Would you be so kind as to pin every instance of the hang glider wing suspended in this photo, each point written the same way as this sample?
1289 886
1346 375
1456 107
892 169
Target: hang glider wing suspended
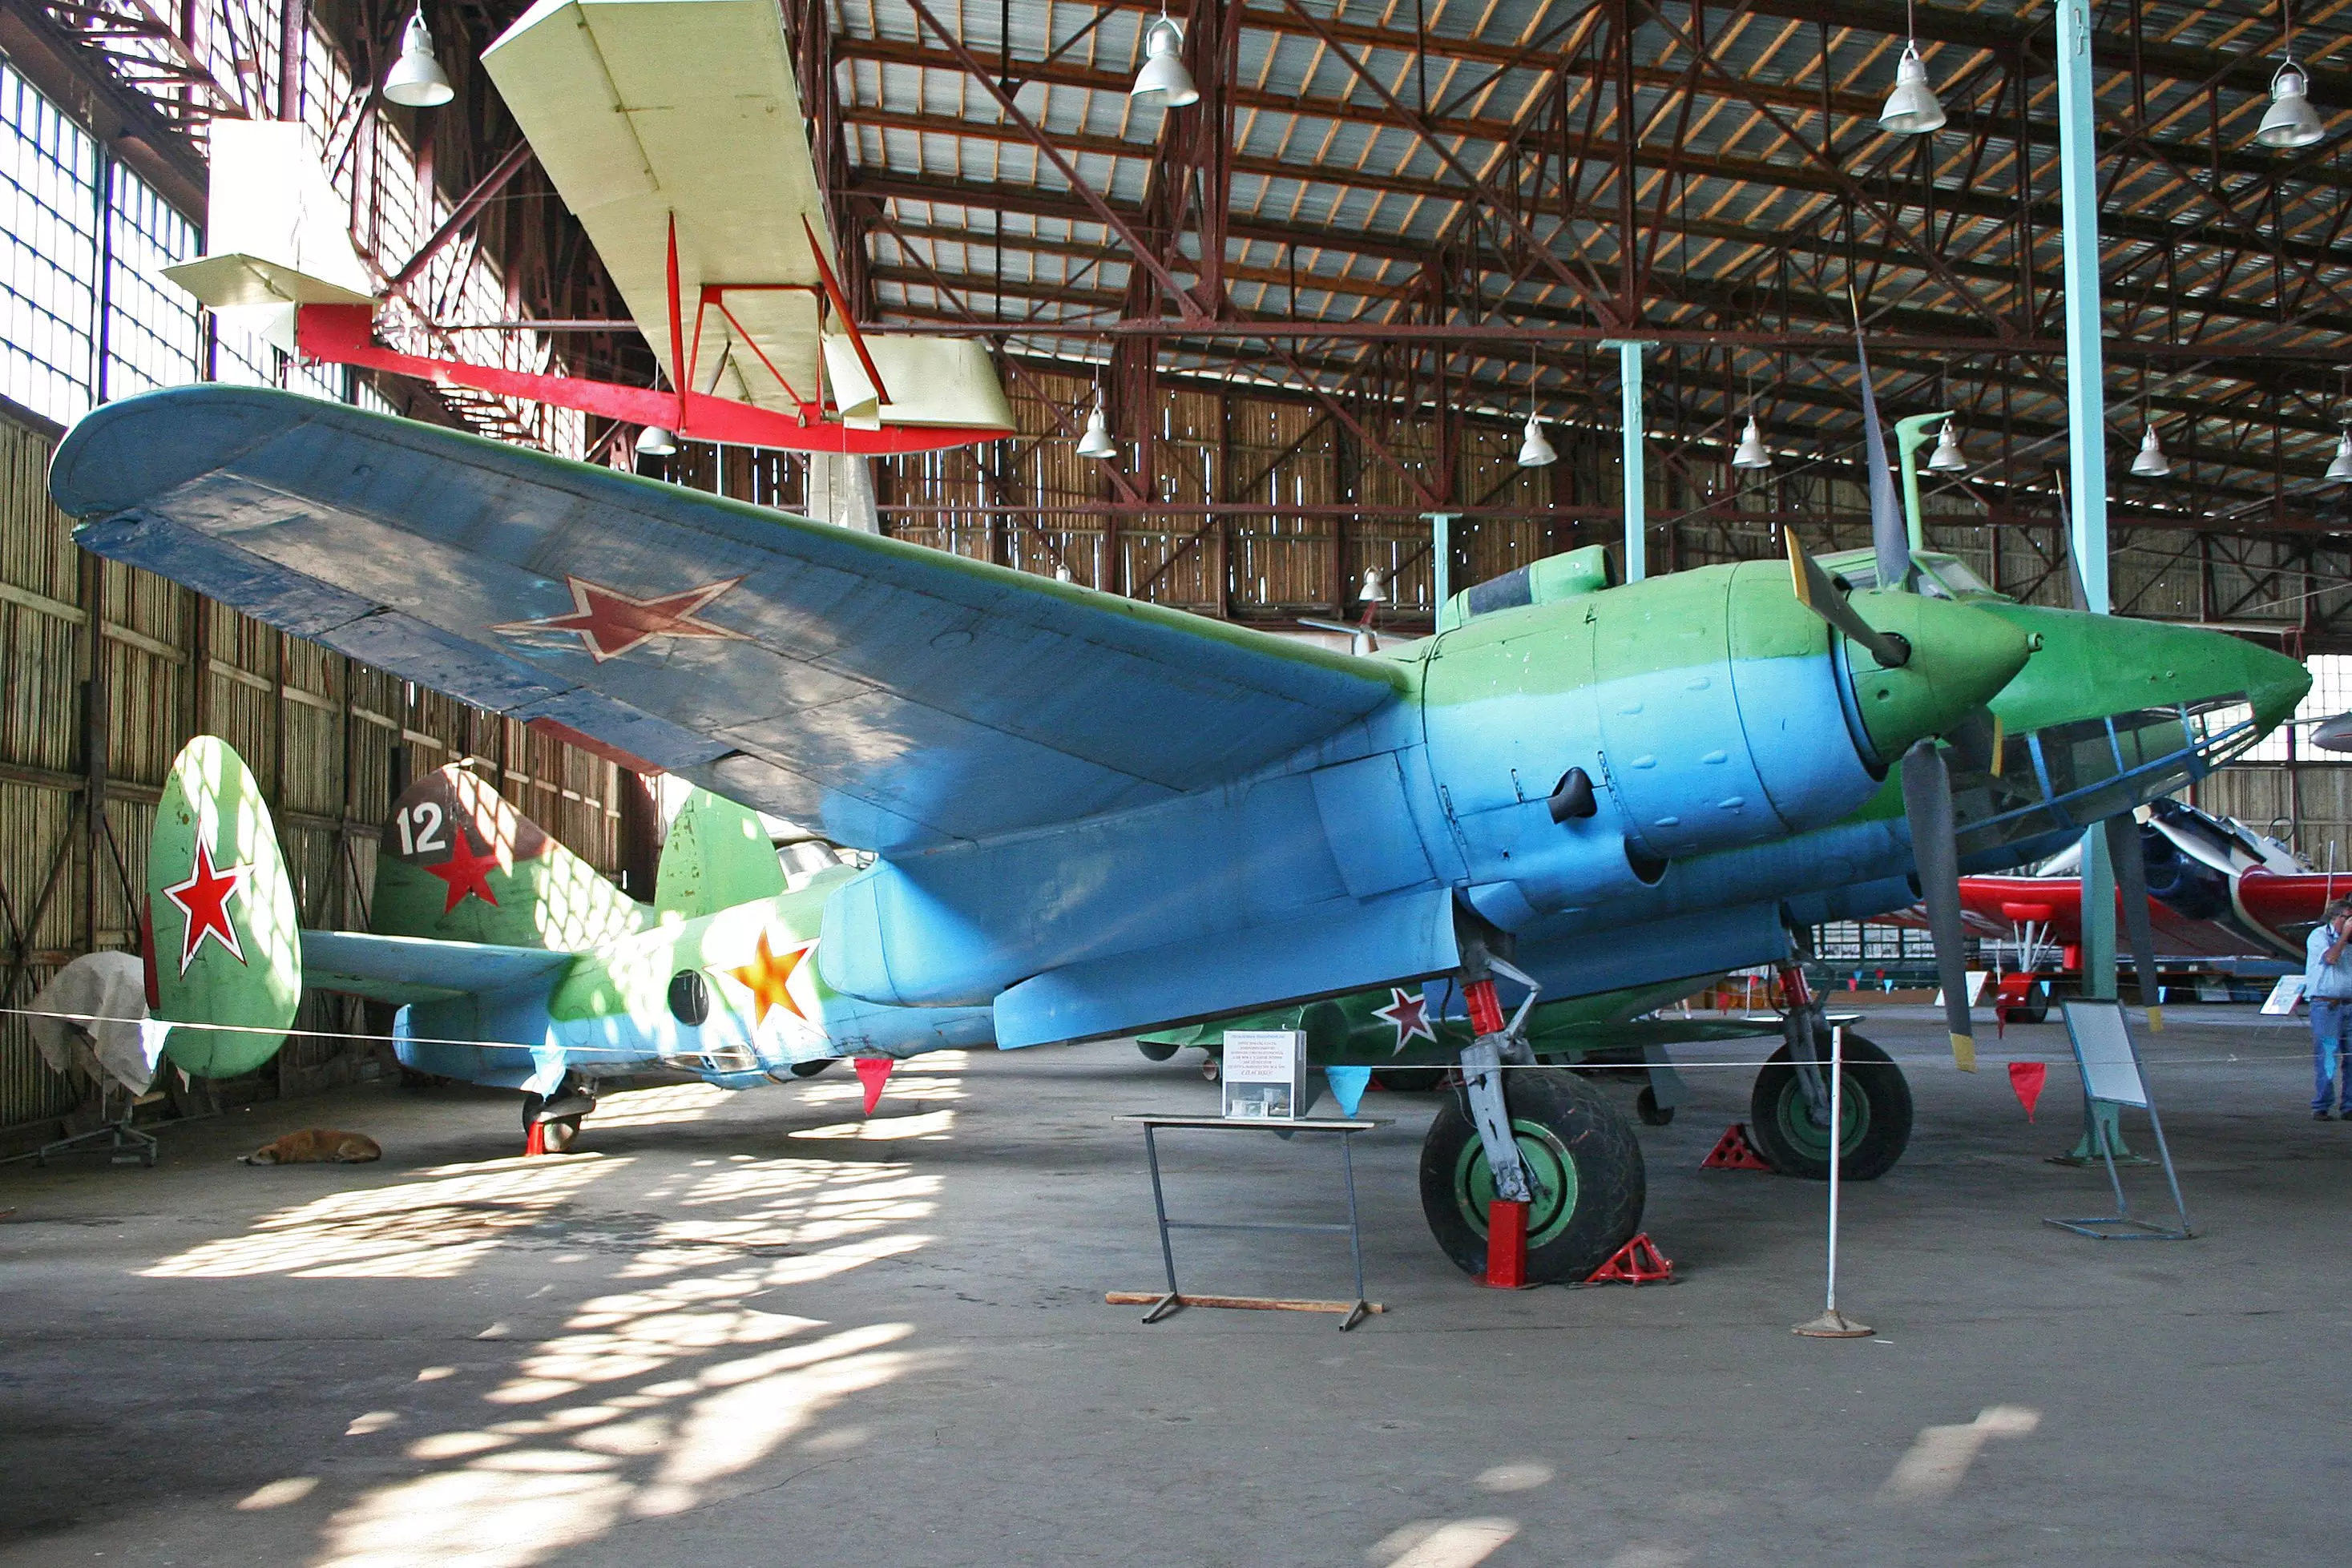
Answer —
673 130
898 698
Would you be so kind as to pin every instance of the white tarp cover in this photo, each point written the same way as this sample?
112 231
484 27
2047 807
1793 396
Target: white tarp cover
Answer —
105 997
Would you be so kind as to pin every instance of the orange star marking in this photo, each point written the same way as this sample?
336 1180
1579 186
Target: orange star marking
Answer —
465 872
610 622
768 976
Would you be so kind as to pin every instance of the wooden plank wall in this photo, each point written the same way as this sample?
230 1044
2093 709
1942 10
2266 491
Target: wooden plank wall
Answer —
328 739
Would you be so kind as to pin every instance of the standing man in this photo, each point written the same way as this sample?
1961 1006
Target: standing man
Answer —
2327 984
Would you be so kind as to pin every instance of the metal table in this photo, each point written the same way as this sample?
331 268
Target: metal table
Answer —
1174 1300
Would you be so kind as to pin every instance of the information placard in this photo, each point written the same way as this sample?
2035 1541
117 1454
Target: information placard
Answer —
1264 1073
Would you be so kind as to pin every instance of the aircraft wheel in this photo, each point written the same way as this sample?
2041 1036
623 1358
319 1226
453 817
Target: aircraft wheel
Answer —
559 1134
1646 1107
1878 1108
1157 1050
1586 1165
1411 1079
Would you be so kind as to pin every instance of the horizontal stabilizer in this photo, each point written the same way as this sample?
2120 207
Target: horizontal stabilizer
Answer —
930 381
278 235
405 970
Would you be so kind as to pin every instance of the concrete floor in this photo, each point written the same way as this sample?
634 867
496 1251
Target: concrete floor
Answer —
754 1330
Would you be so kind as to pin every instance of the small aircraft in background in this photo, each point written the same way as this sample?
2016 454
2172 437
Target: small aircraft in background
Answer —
675 133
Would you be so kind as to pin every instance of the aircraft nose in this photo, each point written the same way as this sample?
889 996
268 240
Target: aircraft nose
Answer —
2094 666
1960 658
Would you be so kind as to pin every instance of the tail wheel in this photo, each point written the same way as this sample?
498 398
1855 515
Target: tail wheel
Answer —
1876 1104
1581 1156
558 1135
1652 1115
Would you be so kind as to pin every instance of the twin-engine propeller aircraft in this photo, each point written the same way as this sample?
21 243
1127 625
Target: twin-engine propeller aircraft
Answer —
1092 816
673 131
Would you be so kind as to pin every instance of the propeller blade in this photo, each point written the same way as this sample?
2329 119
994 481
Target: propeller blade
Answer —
2131 882
1927 807
1818 594
1888 534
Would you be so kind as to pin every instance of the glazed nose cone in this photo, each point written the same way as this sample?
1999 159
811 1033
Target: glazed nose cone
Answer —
1960 658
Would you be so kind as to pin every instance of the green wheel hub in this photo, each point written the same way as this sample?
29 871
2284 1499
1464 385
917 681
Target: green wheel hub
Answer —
1797 1124
1549 1168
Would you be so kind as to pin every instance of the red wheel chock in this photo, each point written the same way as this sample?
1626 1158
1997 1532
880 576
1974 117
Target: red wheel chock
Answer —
1638 1262
1507 1245
1733 1152
534 1141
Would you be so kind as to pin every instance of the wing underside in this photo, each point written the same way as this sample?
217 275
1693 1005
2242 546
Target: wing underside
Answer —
407 969
899 697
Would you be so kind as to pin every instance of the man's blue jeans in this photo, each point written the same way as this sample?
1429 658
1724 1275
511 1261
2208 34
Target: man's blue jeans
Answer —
2329 1051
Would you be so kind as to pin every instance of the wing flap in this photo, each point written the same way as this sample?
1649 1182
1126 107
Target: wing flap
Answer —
896 696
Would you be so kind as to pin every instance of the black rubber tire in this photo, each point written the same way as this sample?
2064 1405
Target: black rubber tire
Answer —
1652 1115
1411 1079
1157 1050
1877 1111
2037 1006
1563 1124
558 1136
530 1104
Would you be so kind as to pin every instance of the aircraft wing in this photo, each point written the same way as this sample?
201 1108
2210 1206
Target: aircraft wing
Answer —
646 112
403 969
895 697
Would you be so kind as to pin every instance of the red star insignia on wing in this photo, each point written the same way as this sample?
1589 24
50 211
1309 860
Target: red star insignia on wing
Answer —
1409 1015
768 977
610 622
465 871
203 899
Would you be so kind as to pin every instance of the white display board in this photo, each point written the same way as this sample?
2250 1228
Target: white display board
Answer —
1264 1074
2283 997
2103 1047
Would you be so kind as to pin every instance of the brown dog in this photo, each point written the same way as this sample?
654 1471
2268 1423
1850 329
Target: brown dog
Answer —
316 1145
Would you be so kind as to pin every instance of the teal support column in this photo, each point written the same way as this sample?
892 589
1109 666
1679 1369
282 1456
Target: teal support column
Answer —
1441 562
1637 479
1910 434
2087 443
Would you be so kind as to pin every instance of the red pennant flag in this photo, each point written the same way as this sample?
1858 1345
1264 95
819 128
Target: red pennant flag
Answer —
2027 1078
874 1072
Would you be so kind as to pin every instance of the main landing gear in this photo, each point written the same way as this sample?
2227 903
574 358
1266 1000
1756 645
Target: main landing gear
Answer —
1528 1175
1789 1109
552 1123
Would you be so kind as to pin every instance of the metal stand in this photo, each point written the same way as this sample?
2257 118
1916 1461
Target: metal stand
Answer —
2109 1059
1832 1324
124 1144
1174 1300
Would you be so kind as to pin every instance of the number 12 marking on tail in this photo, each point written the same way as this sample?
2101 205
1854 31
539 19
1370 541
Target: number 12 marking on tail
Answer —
426 832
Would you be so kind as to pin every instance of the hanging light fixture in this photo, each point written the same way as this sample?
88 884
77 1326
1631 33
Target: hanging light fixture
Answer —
1375 588
1947 458
1912 109
2151 462
2290 121
1096 441
1535 451
1064 574
2341 469
1163 69
653 441
416 79
1750 452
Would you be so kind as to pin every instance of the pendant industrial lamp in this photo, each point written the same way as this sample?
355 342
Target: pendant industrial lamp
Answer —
416 79
2341 469
2290 121
1375 588
1534 449
1750 452
1097 441
1947 458
2151 462
1163 69
655 441
1912 109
